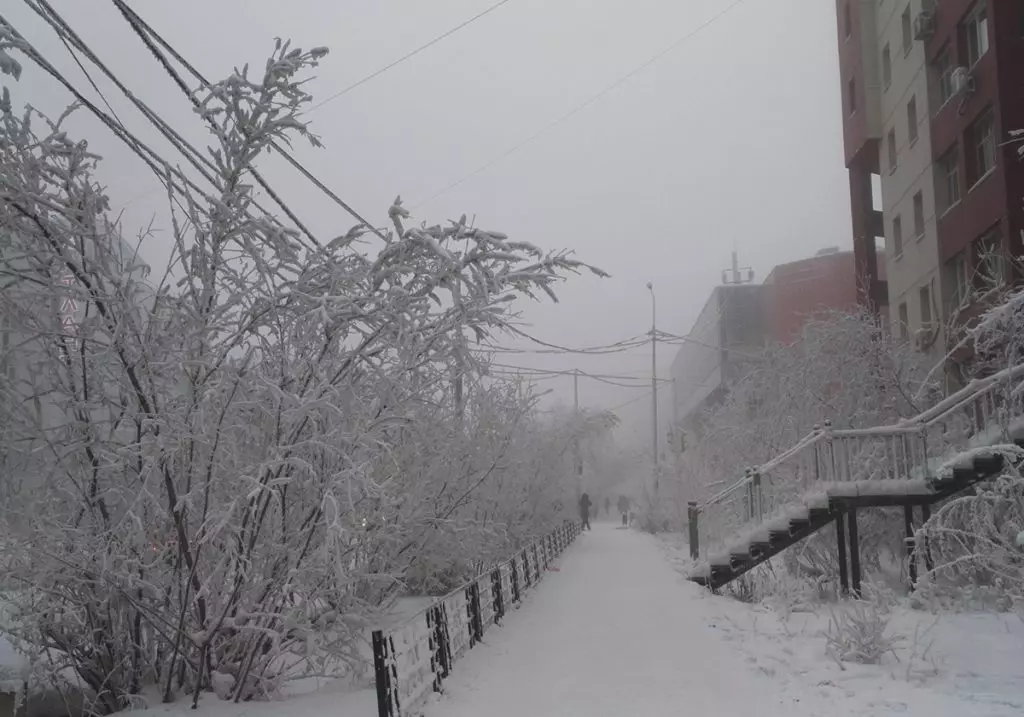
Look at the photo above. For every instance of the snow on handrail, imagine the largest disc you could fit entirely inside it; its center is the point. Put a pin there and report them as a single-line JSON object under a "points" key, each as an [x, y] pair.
{"points": [[810, 439], [913, 425]]}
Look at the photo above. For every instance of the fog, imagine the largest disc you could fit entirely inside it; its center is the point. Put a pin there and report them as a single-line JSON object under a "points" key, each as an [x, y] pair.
{"points": [[564, 124]]}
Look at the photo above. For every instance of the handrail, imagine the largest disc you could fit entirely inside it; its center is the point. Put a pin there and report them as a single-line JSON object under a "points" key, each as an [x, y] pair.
{"points": [[810, 439], [907, 426]]}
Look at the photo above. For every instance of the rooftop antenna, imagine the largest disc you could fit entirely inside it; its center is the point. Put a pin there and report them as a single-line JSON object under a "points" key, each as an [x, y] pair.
{"points": [[737, 274]]}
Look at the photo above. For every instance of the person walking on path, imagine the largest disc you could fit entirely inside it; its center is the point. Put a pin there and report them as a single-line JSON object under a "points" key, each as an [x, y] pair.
{"points": [[624, 509], [608, 506], [585, 511]]}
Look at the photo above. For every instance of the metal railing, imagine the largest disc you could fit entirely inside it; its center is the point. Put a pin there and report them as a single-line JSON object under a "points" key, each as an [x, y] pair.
{"points": [[845, 461], [414, 658]]}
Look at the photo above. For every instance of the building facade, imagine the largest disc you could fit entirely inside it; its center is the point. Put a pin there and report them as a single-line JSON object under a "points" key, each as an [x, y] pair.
{"points": [[800, 290], [739, 320], [732, 324], [931, 92]]}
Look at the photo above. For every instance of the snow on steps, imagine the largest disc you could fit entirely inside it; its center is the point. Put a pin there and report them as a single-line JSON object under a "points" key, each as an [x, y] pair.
{"points": [[820, 498]]}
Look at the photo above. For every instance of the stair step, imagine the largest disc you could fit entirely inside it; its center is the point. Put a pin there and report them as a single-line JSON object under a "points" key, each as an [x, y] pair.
{"points": [[760, 548], [798, 524], [779, 536], [720, 574], [738, 560], [816, 515], [963, 475], [989, 465]]}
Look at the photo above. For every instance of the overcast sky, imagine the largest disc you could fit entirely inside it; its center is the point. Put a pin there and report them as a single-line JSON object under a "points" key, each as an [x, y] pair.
{"points": [[732, 139]]}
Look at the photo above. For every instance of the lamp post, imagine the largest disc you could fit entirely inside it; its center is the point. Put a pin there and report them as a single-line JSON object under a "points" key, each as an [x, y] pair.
{"points": [[654, 385]]}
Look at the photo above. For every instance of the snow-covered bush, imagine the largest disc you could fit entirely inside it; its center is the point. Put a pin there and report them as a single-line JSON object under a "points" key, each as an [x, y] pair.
{"points": [[973, 542], [859, 632], [842, 369], [213, 478]]}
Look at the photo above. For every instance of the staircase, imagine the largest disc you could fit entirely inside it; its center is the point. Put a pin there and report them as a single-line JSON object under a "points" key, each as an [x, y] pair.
{"points": [[828, 475]]}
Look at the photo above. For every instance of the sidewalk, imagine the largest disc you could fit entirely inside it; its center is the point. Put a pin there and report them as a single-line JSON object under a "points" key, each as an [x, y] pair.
{"points": [[616, 632]]}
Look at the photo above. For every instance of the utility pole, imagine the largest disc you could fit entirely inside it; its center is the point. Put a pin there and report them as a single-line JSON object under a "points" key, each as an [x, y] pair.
{"points": [[577, 457], [654, 386]]}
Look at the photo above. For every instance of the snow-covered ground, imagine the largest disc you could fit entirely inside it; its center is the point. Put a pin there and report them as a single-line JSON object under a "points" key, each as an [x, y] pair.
{"points": [[618, 630], [944, 665]]}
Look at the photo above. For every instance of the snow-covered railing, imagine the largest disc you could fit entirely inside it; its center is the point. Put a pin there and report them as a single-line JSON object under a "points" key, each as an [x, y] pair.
{"points": [[987, 411], [414, 658]]}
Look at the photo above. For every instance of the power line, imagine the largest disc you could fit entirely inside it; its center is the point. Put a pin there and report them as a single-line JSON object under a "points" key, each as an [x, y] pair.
{"points": [[408, 55], [65, 33], [142, 29], [157, 164], [586, 103], [616, 347]]}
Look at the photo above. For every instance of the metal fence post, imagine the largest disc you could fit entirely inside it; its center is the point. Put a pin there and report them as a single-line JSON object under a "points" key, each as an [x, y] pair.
{"points": [[526, 570], [499, 595], [432, 644], [515, 580], [382, 676], [693, 513], [758, 496], [476, 623]]}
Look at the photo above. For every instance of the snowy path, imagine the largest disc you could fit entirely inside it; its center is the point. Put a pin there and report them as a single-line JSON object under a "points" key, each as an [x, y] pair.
{"points": [[616, 632]]}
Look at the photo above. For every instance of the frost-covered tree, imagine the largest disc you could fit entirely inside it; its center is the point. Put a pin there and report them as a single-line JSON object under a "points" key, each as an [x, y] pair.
{"points": [[843, 368], [212, 478]]}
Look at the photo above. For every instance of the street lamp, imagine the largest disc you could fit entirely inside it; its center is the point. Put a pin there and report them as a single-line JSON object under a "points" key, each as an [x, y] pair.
{"points": [[654, 385]]}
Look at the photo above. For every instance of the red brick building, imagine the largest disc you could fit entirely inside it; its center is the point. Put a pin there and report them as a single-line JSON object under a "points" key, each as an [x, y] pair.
{"points": [[799, 290]]}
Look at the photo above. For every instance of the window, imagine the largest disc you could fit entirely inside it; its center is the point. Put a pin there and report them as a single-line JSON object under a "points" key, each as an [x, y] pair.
{"points": [[925, 296], [908, 33], [897, 236], [919, 215], [949, 179], [847, 20], [891, 142], [851, 95], [912, 120], [976, 34], [944, 73], [886, 66], [981, 147], [904, 322], [960, 291], [988, 261]]}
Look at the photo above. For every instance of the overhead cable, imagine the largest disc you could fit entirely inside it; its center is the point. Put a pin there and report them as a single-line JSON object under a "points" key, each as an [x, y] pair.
{"points": [[408, 55], [583, 105]]}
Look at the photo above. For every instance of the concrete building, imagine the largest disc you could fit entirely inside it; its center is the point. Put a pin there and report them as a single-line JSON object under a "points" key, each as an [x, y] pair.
{"points": [[739, 320], [931, 91], [733, 323]]}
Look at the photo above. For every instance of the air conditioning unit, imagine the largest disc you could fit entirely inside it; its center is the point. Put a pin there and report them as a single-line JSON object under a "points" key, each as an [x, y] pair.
{"points": [[924, 24], [961, 81]]}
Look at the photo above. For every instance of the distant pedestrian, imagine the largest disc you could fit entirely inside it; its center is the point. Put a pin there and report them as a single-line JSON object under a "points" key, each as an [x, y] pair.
{"points": [[608, 506], [624, 509], [585, 510]]}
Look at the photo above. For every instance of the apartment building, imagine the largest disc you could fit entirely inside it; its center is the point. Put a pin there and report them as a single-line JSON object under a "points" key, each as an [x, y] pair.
{"points": [[931, 91]]}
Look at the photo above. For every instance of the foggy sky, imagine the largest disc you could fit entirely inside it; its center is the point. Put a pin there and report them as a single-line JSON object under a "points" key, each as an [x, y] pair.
{"points": [[733, 139]]}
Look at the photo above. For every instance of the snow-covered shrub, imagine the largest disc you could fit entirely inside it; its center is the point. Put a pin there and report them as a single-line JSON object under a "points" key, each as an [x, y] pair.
{"points": [[220, 476], [860, 633], [973, 542], [842, 369]]}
